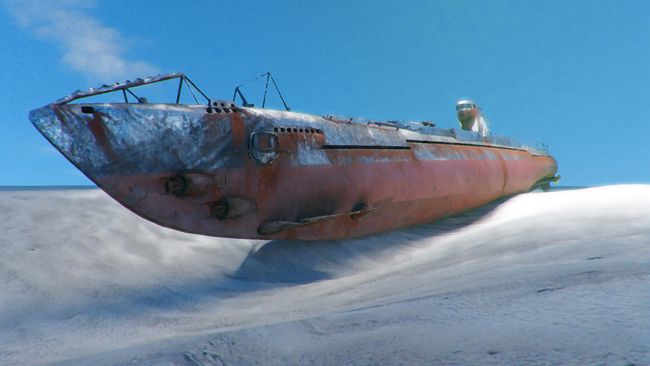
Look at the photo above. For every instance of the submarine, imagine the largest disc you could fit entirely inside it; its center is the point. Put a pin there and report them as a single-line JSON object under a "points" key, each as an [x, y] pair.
{"points": [[227, 169]]}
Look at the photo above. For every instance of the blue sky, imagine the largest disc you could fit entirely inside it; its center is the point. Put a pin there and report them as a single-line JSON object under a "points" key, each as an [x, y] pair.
{"points": [[574, 75]]}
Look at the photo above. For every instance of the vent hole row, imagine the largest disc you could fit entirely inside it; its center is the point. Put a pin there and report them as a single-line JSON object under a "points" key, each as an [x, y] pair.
{"points": [[296, 130], [219, 107]]}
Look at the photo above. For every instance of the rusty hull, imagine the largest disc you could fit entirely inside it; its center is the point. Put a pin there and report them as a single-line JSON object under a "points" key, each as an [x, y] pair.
{"points": [[187, 169]]}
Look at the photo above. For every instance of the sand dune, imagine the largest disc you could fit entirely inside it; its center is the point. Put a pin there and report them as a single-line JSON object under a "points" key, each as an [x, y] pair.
{"points": [[558, 277]]}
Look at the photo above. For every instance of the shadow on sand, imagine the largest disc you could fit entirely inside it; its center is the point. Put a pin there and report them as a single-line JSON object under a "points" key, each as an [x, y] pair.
{"points": [[300, 262], [280, 263]]}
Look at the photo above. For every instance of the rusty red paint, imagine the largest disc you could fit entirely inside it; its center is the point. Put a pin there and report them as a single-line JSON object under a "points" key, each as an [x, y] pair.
{"points": [[193, 170], [96, 127], [238, 131], [401, 194]]}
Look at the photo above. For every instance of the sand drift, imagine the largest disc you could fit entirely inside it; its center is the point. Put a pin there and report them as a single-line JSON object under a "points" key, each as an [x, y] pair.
{"points": [[558, 277]]}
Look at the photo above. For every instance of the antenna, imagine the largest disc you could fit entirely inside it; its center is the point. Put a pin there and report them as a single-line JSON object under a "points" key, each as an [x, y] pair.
{"points": [[243, 99], [238, 91]]}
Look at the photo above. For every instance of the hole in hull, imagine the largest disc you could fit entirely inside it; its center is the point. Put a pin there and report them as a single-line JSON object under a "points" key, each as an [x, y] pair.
{"points": [[87, 109], [176, 185]]}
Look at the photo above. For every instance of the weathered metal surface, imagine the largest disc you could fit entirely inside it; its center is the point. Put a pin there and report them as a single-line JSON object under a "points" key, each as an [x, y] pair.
{"points": [[199, 171], [118, 86]]}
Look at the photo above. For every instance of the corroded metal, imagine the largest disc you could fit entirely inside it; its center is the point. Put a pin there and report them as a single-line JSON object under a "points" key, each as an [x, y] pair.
{"points": [[118, 86], [256, 173]]}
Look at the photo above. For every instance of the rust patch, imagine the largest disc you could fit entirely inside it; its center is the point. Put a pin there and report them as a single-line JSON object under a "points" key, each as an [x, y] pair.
{"points": [[97, 128], [238, 129], [504, 167]]}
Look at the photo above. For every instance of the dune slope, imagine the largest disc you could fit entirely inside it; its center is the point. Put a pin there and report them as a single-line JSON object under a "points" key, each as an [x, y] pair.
{"points": [[540, 278]]}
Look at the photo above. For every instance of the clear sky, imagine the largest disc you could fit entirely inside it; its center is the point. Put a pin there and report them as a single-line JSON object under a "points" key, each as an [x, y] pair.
{"points": [[572, 74]]}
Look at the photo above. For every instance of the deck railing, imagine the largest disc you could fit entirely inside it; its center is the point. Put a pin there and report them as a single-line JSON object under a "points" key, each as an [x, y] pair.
{"points": [[126, 87]]}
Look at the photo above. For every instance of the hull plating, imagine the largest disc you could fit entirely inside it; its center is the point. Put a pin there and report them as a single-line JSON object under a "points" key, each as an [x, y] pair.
{"points": [[385, 177]]}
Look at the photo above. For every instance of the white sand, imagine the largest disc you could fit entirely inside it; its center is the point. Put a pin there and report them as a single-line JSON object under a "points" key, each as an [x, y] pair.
{"points": [[543, 278]]}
